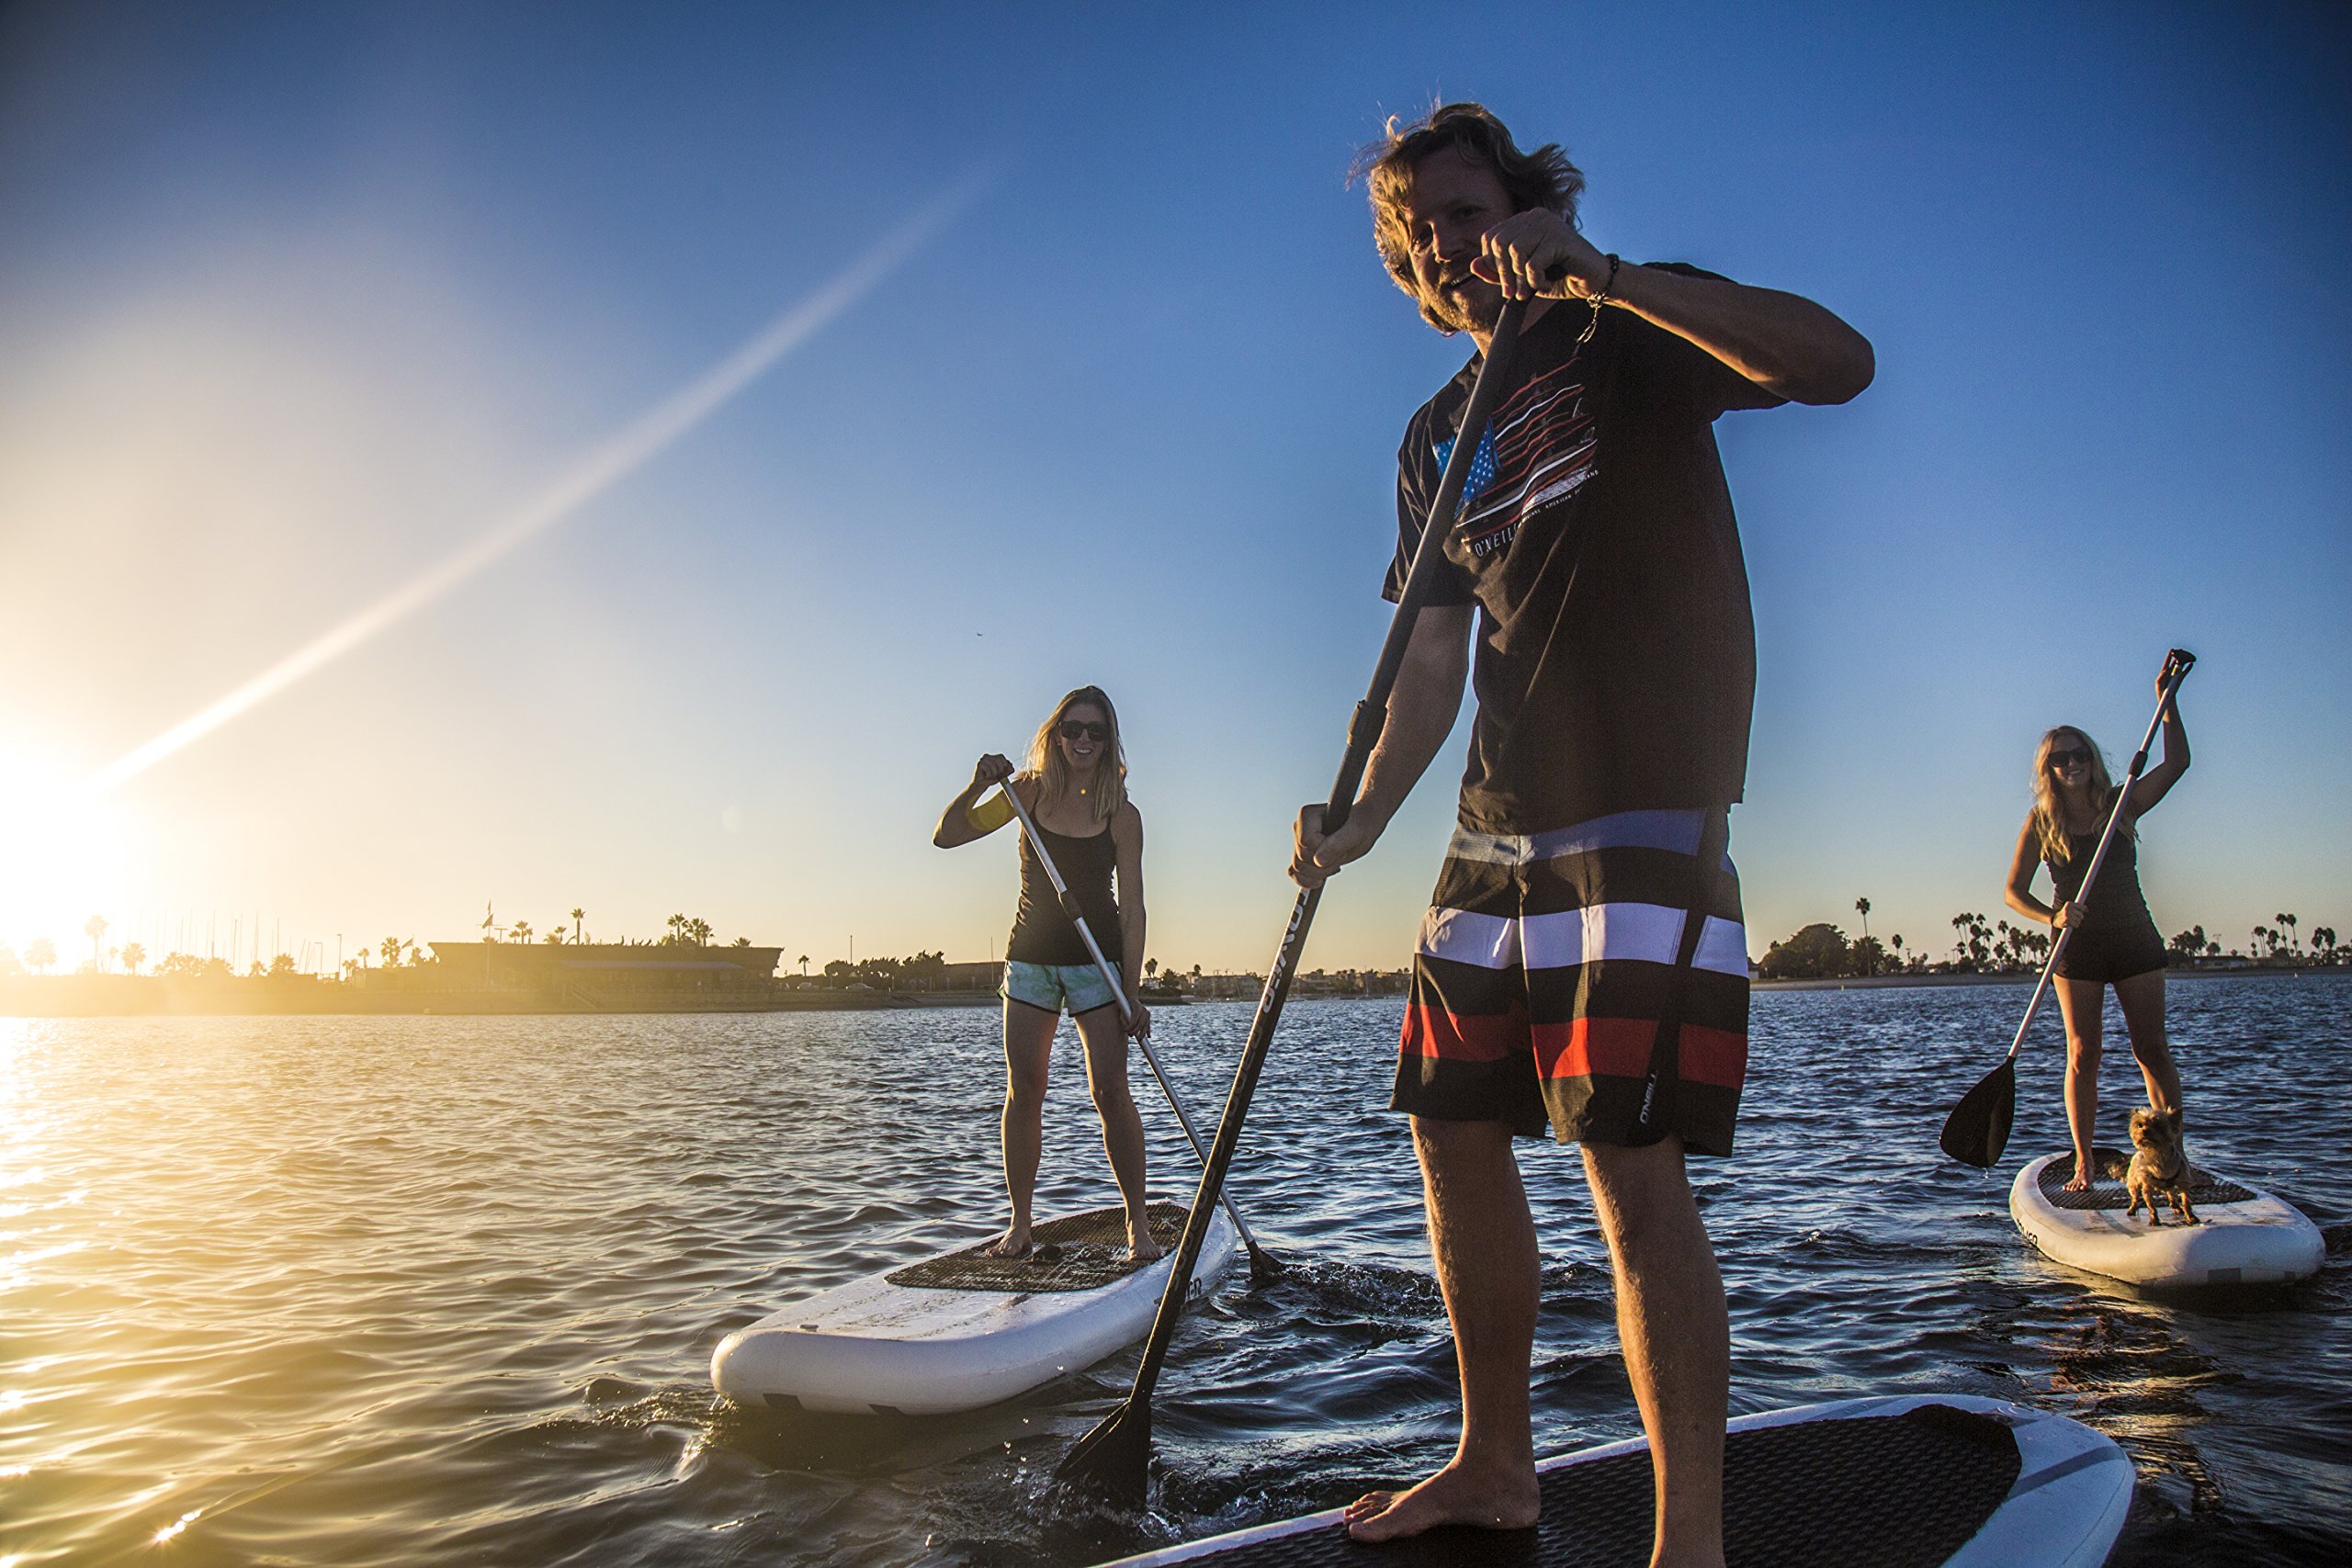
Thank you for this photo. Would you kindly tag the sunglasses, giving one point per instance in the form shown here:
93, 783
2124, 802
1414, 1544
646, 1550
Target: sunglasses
1083, 730
2075, 758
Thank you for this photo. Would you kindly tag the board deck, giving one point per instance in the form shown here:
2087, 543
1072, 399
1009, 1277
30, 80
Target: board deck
2245, 1237
1914, 1481
958, 1331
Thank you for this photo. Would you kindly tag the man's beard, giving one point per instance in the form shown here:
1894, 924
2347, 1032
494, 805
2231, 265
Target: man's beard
1455, 312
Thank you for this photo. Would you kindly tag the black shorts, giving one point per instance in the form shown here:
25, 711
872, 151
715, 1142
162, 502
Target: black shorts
2105, 955
1593, 978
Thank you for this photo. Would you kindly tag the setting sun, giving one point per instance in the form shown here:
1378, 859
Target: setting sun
66, 851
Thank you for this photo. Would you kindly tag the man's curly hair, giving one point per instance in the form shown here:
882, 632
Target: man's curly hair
1542, 178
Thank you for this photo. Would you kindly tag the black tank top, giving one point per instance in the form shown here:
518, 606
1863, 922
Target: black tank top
2116, 899
1042, 933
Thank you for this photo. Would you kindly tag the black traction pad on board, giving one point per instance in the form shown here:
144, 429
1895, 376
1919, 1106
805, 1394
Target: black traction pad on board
2106, 1194
1077, 1252
1902, 1491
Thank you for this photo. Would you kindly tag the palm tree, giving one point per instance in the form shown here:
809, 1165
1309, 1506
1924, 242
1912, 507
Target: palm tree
578, 915
522, 932
803, 966
1862, 908
1976, 937
390, 948
2289, 922
133, 956
40, 954
1897, 942
94, 928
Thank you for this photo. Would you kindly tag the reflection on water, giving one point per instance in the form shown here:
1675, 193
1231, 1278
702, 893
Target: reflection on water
445, 1290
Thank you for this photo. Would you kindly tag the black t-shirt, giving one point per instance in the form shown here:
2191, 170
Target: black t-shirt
1616, 657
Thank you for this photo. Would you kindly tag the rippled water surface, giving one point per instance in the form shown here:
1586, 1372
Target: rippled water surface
429, 1290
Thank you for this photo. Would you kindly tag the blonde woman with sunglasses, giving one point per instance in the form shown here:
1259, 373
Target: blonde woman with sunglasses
1075, 788
2115, 940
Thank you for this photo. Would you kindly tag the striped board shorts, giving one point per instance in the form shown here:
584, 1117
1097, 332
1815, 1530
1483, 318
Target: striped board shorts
1592, 977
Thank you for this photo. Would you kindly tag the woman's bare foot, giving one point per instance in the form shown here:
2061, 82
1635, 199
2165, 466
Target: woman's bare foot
1013, 1243
1141, 1248
1451, 1496
2081, 1180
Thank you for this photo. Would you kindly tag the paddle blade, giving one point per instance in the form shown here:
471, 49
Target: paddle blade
1113, 1460
1978, 1128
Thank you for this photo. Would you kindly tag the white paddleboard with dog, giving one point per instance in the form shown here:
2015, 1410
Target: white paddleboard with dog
1913, 1481
2243, 1234
962, 1329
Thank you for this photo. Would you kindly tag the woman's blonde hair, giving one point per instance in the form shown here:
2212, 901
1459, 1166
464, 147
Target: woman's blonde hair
1048, 765
2048, 811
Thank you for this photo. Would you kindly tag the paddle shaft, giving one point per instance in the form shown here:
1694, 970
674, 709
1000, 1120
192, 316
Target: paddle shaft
1364, 732
1127, 1013
2177, 670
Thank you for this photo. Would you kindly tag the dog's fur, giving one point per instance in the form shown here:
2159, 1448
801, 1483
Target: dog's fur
2159, 1165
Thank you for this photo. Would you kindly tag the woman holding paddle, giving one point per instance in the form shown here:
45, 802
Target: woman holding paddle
2114, 941
1075, 791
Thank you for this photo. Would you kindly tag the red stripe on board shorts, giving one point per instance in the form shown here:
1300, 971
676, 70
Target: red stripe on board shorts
1592, 980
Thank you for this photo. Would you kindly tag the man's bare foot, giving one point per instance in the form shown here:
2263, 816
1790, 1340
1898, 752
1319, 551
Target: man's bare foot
1451, 1496
1013, 1243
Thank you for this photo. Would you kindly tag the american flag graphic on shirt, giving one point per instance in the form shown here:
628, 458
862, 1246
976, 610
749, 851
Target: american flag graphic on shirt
1537, 449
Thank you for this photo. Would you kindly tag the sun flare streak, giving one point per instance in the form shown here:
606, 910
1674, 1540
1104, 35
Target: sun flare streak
598, 470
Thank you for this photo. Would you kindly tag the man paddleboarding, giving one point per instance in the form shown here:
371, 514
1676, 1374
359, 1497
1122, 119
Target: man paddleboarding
1582, 965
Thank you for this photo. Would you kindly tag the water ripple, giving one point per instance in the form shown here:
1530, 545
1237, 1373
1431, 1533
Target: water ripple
403, 1290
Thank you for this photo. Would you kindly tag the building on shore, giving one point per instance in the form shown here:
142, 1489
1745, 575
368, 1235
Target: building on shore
965, 977
591, 976
654, 976
513, 977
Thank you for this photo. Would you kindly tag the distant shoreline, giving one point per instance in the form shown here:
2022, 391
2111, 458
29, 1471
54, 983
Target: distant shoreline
2023, 977
125, 996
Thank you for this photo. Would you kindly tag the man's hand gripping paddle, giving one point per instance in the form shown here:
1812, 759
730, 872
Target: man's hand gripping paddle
1978, 1128
1263, 1264
1115, 1457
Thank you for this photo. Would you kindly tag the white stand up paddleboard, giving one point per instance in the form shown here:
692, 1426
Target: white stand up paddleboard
2245, 1235
1914, 1480
958, 1331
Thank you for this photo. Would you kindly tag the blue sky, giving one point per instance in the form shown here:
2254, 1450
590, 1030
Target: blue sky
300, 301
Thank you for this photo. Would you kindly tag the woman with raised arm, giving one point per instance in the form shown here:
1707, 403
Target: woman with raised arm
1074, 789
2115, 941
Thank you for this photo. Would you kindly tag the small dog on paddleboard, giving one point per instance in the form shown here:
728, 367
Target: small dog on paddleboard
2159, 1164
